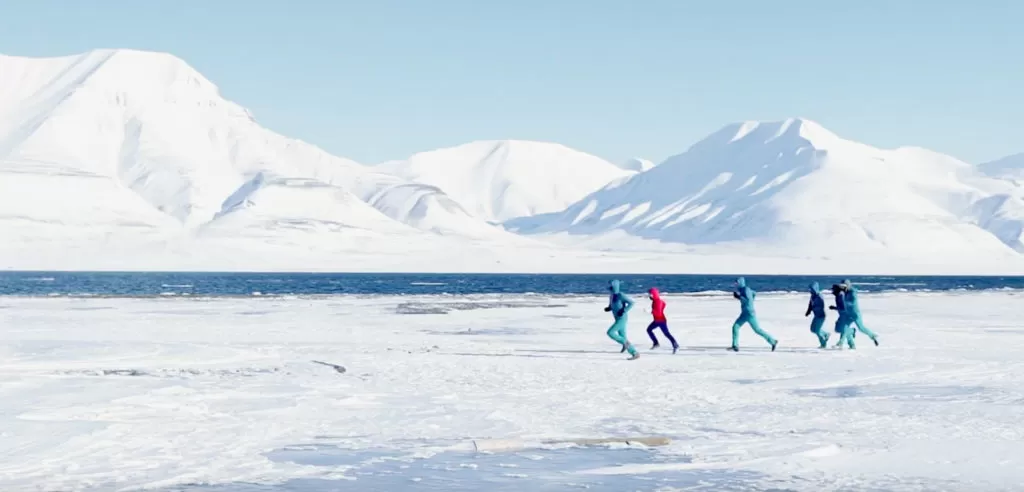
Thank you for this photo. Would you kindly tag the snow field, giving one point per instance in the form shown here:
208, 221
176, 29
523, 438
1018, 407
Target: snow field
121, 394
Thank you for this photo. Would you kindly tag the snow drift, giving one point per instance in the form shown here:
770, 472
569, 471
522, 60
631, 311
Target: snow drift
793, 187
501, 180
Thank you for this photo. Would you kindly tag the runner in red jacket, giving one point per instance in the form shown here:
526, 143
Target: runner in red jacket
658, 310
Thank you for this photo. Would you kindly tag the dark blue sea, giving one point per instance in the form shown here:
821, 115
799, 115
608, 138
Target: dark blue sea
135, 284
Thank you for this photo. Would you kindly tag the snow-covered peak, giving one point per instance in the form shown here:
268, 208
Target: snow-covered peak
159, 133
497, 180
791, 132
114, 71
753, 150
794, 186
144, 70
525, 153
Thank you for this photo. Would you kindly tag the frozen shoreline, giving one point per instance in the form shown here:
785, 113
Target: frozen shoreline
122, 394
483, 298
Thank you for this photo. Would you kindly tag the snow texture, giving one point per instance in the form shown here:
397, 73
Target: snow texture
214, 395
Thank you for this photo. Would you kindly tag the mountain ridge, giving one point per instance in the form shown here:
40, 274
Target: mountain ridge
153, 124
791, 185
112, 149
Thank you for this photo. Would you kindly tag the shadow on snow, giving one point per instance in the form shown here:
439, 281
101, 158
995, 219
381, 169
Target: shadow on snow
533, 470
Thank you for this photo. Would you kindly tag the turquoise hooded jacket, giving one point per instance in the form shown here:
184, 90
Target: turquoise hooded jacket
745, 295
618, 303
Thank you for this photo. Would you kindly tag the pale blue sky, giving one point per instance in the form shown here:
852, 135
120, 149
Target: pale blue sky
380, 79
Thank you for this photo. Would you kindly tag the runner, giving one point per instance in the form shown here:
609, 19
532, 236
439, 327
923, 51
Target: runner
817, 306
747, 315
658, 312
619, 305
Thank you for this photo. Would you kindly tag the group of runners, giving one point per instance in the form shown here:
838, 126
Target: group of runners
847, 305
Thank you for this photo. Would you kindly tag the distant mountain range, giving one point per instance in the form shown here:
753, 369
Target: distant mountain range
119, 147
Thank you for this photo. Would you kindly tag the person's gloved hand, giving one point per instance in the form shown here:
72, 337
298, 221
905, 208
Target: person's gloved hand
832, 308
607, 309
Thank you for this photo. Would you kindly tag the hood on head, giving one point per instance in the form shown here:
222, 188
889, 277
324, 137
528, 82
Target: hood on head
741, 282
654, 293
845, 283
614, 286
815, 288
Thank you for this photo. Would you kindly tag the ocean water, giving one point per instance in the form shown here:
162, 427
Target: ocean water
143, 284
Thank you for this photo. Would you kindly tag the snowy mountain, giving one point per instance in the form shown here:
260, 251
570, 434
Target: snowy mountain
119, 159
792, 187
120, 142
1003, 212
1010, 167
637, 164
501, 180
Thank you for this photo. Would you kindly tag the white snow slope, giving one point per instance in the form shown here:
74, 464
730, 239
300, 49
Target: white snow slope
116, 141
220, 395
502, 180
792, 187
1003, 213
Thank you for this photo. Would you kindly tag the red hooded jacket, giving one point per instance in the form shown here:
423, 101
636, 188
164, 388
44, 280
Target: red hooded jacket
657, 305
